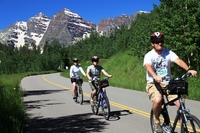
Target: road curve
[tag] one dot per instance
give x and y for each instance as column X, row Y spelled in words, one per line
column 50, row 108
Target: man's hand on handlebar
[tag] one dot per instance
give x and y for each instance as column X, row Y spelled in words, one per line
column 193, row 72
column 158, row 79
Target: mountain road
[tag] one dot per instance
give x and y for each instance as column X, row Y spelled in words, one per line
column 50, row 108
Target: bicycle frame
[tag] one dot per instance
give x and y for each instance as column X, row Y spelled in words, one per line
column 181, row 112
column 101, row 100
column 100, row 95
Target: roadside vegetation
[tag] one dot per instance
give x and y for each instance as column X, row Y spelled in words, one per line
column 121, row 54
column 128, row 72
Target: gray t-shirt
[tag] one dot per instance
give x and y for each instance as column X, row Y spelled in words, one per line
column 94, row 72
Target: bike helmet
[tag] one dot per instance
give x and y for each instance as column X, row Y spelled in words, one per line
column 95, row 59
column 156, row 35
column 75, row 60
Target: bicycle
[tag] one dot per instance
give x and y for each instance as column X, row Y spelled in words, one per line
column 101, row 99
column 190, row 123
column 79, row 96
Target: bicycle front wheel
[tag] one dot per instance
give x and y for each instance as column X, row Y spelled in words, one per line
column 95, row 107
column 80, row 95
column 193, row 125
column 105, row 105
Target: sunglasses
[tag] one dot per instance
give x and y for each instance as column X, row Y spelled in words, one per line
column 159, row 41
column 95, row 60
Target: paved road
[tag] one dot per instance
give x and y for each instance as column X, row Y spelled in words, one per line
column 50, row 108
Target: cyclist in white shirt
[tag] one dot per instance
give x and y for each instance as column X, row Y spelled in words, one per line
column 94, row 71
column 157, row 64
column 74, row 74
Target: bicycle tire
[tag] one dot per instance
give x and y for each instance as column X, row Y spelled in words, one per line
column 95, row 107
column 105, row 105
column 193, row 124
column 80, row 95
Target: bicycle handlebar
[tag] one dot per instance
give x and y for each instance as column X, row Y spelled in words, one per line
column 183, row 77
column 95, row 78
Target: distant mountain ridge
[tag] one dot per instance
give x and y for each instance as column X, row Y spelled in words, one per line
column 65, row 25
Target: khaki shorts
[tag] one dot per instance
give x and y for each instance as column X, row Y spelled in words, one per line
column 153, row 92
column 91, row 86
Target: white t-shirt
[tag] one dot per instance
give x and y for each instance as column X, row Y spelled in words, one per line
column 160, row 63
column 75, row 71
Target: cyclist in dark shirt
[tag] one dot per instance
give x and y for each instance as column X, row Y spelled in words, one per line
column 94, row 71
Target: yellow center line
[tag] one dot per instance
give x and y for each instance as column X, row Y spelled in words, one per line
column 142, row 113
column 111, row 102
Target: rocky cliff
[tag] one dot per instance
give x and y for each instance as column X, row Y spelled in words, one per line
column 65, row 26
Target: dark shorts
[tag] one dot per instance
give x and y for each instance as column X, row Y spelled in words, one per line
column 73, row 80
column 76, row 80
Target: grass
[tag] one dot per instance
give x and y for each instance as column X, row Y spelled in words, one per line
column 128, row 72
column 12, row 113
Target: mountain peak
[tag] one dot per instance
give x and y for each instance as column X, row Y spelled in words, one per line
column 70, row 13
column 41, row 15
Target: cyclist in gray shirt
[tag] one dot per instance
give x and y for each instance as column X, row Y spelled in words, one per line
column 94, row 71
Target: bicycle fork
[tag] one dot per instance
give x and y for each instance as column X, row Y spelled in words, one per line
column 181, row 116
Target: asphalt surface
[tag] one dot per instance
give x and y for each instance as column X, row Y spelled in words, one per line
column 50, row 108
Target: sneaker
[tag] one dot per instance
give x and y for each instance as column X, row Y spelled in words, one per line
column 167, row 128
column 92, row 102
column 74, row 97
column 158, row 128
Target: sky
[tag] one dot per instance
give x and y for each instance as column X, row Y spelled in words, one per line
column 12, row 11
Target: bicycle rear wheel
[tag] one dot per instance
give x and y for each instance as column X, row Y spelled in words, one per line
column 80, row 95
column 193, row 124
column 95, row 107
column 105, row 105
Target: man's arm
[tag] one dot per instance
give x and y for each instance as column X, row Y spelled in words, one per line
column 183, row 65
column 106, row 74
column 88, row 74
column 150, row 70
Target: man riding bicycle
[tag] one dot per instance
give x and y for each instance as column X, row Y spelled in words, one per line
column 74, row 74
column 94, row 71
column 157, row 64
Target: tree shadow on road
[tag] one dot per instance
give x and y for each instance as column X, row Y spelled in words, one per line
column 40, row 92
column 80, row 123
